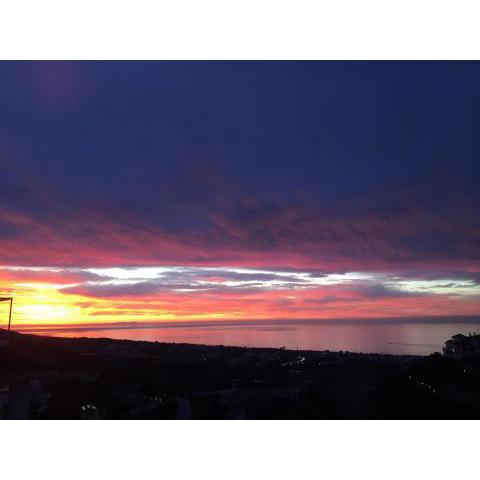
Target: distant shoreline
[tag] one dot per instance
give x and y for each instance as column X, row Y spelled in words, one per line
column 235, row 322
column 386, row 337
column 71, row 340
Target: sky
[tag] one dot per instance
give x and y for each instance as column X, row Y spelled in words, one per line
column 182, row 191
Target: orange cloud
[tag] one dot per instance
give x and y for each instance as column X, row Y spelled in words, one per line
column 71, row 296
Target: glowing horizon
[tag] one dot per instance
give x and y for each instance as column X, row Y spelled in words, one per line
column 72, row 295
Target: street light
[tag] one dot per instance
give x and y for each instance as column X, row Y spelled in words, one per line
column 6, row 299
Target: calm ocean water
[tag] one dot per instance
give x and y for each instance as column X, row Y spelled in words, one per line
column 418, row 338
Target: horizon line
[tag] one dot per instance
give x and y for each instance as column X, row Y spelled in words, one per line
column 460, row 319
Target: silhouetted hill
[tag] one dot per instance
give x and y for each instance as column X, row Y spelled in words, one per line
column 51, row 377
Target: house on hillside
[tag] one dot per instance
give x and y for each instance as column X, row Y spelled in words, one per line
column 462, row 345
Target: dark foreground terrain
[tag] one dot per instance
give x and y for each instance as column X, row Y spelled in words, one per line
column 62, row 378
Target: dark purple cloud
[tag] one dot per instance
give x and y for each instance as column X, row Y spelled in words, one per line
column 323, row 165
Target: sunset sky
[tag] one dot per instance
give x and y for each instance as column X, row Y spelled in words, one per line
column 164, row 191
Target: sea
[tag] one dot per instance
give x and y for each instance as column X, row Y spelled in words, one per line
column 402, row 337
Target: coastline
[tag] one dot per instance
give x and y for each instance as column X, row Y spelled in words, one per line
column 400, row 338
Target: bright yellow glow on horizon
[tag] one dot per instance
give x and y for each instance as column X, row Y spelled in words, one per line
column 48, row 313
column 42, row 303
